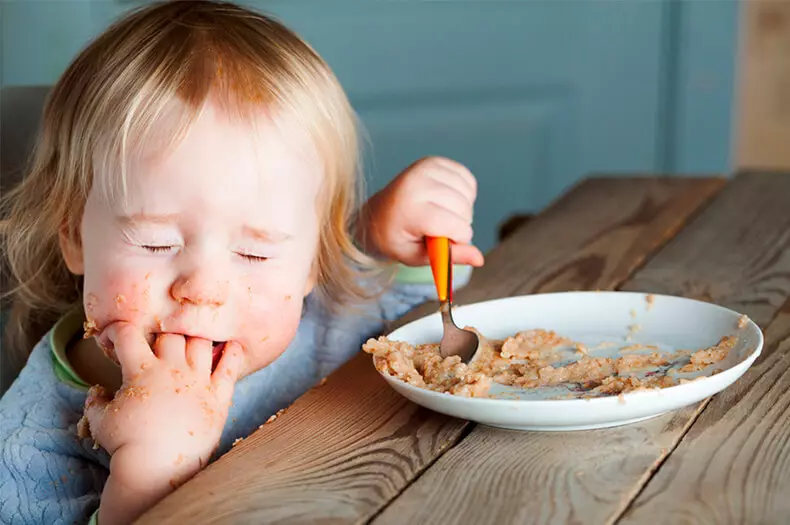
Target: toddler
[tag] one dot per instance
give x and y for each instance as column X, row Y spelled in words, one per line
column 188, row 256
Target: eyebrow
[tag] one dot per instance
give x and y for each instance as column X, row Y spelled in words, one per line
column 248, row 231
column 266, row 235
column 142, row 217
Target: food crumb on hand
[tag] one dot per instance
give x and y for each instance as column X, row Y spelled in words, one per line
column 130, row 391
column 83, row 428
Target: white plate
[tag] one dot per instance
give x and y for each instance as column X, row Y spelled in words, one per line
column 673, row 323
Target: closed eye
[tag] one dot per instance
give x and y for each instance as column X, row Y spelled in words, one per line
column 252, row 258
column 159, row 249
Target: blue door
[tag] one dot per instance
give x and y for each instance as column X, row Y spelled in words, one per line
column 531, row 95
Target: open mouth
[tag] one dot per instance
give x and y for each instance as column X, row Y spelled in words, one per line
column 218, row 347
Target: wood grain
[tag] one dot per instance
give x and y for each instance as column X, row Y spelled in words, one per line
column 736, row 254
column 734, row 464
column 344, row 450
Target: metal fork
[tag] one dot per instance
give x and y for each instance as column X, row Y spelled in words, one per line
column 455, row 341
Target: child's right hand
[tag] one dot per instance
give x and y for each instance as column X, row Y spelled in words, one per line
column 165, row 421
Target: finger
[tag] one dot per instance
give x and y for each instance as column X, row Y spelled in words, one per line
column 442, row 222
column 129, row 345
column 199, row 352
column 171, row 348
column 451, row 199
column 460, row 171
column 467, row 254
column 443, row 178
column 227, row 372
column 95, row 408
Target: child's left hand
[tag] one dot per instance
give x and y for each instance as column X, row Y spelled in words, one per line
column 433, row 197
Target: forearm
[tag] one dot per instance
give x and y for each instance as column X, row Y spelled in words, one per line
column 125, row 498
column 120, row 505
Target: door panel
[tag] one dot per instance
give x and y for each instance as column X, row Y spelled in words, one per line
column 530, row 94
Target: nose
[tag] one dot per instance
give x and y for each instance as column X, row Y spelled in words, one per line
column 200, row 288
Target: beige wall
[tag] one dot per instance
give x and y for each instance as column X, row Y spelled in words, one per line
column 763, row 118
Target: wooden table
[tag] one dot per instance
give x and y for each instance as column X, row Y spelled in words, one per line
column 354, row 451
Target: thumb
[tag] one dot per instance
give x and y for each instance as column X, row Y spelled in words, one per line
column 93, row 416
column 467, row 254
column 227, row 372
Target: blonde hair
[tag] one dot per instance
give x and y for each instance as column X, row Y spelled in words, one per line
column 116, row 91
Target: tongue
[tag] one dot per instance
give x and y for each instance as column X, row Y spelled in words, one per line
column 216, row 354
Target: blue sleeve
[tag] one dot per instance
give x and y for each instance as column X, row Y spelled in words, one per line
column 340, row 336
column 47, row 473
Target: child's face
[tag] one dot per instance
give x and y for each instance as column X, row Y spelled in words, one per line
column 217, row 239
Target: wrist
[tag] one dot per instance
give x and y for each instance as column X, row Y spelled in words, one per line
column 123, row 504
column 135, row 486
column 364, row 232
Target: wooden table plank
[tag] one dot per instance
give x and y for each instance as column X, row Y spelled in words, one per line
column 344, row 450
column 729, row 255
column 737, row 254
column 733, row 466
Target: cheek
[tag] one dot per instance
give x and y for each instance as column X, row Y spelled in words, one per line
column 271, row 328
column 270, row 306
column 117, row 296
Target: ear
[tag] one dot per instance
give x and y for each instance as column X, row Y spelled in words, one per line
column 71, row 249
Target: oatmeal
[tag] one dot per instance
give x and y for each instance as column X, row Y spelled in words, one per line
column 702, row 358
column 650, row 299
column 534, row 345
column 422, row 366
column 536, row 358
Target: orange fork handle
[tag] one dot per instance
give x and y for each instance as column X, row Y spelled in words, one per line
column 439, row 253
